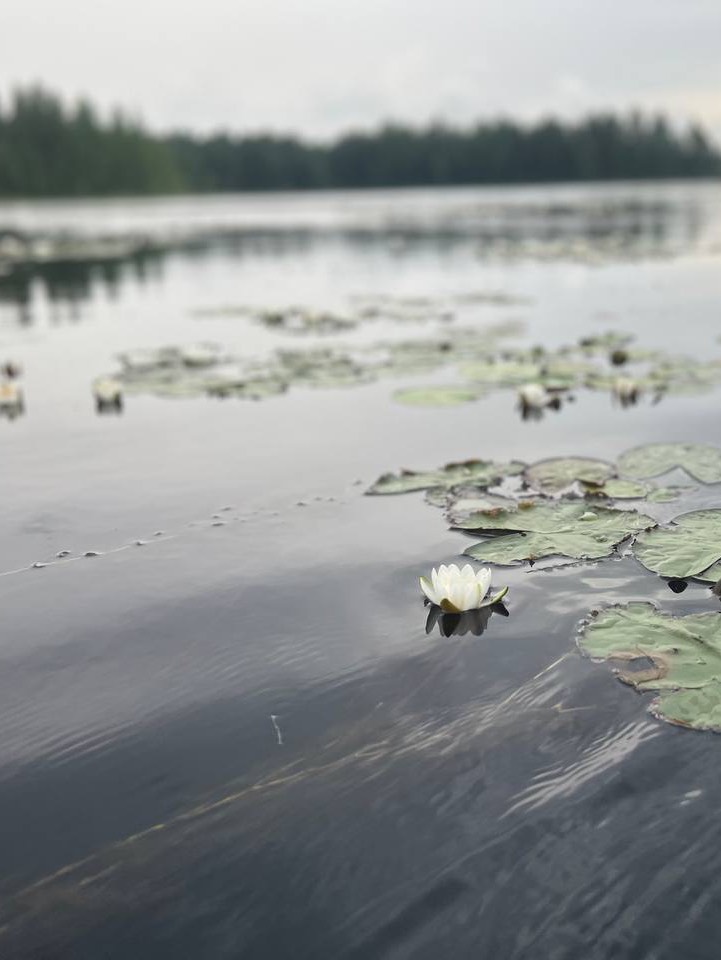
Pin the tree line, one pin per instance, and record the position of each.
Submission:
(50, 149)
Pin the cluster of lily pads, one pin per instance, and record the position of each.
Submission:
(543, 377)
(481, 358)
(580, 509)
(362, 308)
(207, 369)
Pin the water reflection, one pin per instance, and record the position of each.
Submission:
(69, 258)
(69, 284)
(474, 622)
(537, 411)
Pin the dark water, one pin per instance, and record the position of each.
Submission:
(236, 739)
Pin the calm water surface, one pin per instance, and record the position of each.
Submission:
(237, 739)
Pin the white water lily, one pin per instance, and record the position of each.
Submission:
(455, 590)
(626, 389)
(534, 395)
(107, 390)
(11, 396)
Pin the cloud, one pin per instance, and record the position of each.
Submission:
(319, 66)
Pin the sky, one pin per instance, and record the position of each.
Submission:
(321, 67)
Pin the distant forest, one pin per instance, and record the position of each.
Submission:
(49, 149)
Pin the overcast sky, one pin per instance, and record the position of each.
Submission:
(321, 66)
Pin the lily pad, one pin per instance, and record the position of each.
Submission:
(503, 373)
(464, 512)
(698, 460)
(482, 473)
(563, 528)
(686, 548)
(554, 475)
(300, 320)
(666, 494)
(252, 388)
(682, 657)
(617, 488)
(602, 343)
(437, 396)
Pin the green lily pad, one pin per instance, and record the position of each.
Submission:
(711, 575)
(666, 494)
(437, 396)
(698, 460)
(554, 475)
(467, 512)
(563, 528)
(684, 655)
(502, 373)
(299, 320)
(482, 473)
(567, 370)
(685, 549)
(603, 342)
(617, 488)
(251, 388)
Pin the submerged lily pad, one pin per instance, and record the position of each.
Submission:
(687, 548)
(684, 655)
(699, 460)
(554, 475)
(437, 396)
(482, 473)
(566, 529)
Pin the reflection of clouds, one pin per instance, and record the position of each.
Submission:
(459, 624)
(606, 752)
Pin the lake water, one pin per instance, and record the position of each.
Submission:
(228, 734)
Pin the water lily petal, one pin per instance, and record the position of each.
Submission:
(483, 579)
(471, 596)
(428, 589)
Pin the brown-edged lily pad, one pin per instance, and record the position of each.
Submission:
(679, 659)
(559, 473)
